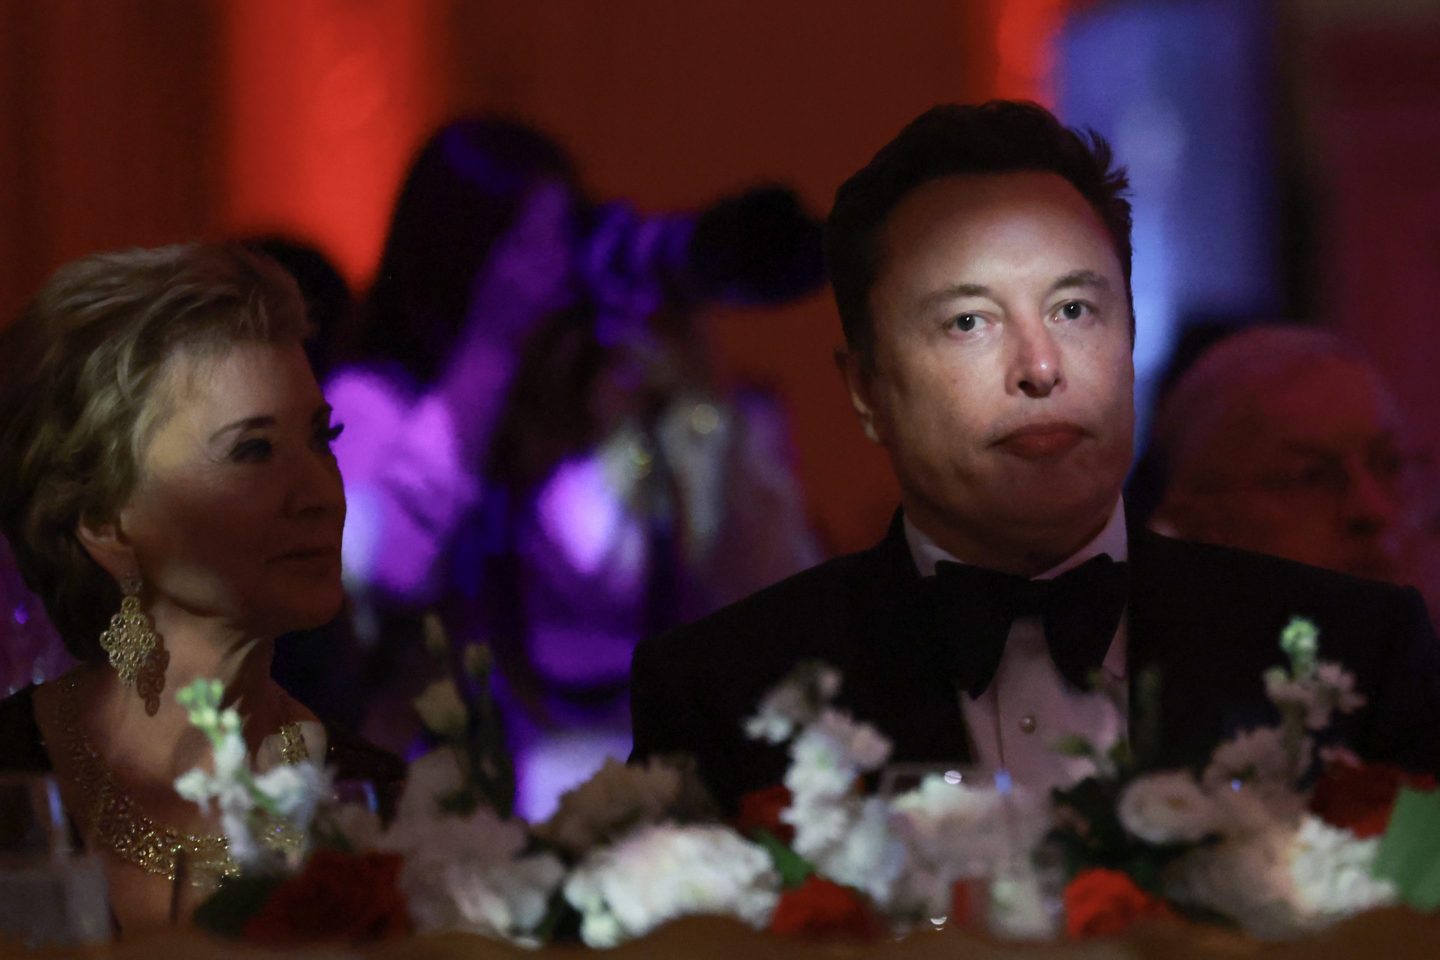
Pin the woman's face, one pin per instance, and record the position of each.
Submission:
(238, 510)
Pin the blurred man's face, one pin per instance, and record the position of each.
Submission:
(1308, 466)
(1002, 379)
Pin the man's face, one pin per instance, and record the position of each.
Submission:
(1311, 467)
(1002, 379)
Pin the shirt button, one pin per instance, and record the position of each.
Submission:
(1027, 724)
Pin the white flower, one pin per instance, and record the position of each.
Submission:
(1245, 809)
(428, 780)
(230, 755)
(1164, 808)
(466, 873)
(438, 838)
(868, 857)
(1285, 880)
(659, 873)
(1255, 756)
(1338, 685)
(793, 703)
(831, 752)
(296, 790)
(1331, 871)
(1330, 689)
(1246, 879)
(441, 709)
(616, 799)
(771, 726)
(507, 900)
(820, 822)
(952, 831)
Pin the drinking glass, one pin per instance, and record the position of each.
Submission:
(49, 894)
(985, 839)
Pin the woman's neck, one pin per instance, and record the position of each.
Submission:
(191, 648)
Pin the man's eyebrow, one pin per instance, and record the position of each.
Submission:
(953, 291)
(249, 423)
(1081, 279)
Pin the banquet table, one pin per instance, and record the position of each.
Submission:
(1389, 934)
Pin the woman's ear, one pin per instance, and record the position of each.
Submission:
(108, 546)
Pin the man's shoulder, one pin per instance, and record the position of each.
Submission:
(831, 611)
(803, 603)
(1222, 596)
(1229, 570)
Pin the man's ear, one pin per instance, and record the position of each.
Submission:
(859, 381)
(1178, 515)
(110, 548)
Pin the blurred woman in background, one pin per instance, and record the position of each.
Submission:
(539, 446)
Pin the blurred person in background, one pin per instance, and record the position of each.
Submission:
(329, 302)
(1285, 440)
(540, 449)
(30, 649)
(169, 491)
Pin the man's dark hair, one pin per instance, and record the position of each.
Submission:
(1001, 136)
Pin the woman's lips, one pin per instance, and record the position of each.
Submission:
(1038, 441)
(315, 555)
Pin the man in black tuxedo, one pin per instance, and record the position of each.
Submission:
(981, 266)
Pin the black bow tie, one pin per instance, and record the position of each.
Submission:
(1081, 611)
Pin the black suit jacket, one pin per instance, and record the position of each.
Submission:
(1205, 619)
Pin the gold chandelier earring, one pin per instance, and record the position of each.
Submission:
(134, 649)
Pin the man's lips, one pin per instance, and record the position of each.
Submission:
(1035, 441)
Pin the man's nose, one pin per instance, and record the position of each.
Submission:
(1035, 359)
(1371, 504)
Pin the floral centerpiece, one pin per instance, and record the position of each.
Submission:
(1255, 839)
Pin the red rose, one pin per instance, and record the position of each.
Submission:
(1101, 903)
(1360, 798)
(338, 896)
(819, 908)
(761, 809)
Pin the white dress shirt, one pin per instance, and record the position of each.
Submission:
(1028, 707)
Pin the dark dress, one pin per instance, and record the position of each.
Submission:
(1206, 619)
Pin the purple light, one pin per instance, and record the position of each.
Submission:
(22, 616)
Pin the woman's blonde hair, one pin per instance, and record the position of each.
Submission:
(80, 372)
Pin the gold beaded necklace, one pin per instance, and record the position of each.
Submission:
(120, 826)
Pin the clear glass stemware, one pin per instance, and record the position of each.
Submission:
(49, 893)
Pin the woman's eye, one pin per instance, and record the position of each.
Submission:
(1074, 310)
(251, 451)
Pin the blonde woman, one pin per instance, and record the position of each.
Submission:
(167, 485)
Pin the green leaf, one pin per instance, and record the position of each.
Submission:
(1074, 745)
(793, 868)
(1409, 854)
(234, 902)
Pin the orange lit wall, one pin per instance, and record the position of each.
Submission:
(145, 121)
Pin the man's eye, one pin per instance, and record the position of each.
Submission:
(963, 323)
(1074, 310)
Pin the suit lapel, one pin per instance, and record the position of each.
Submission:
(896, 673)
(1192, 649)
